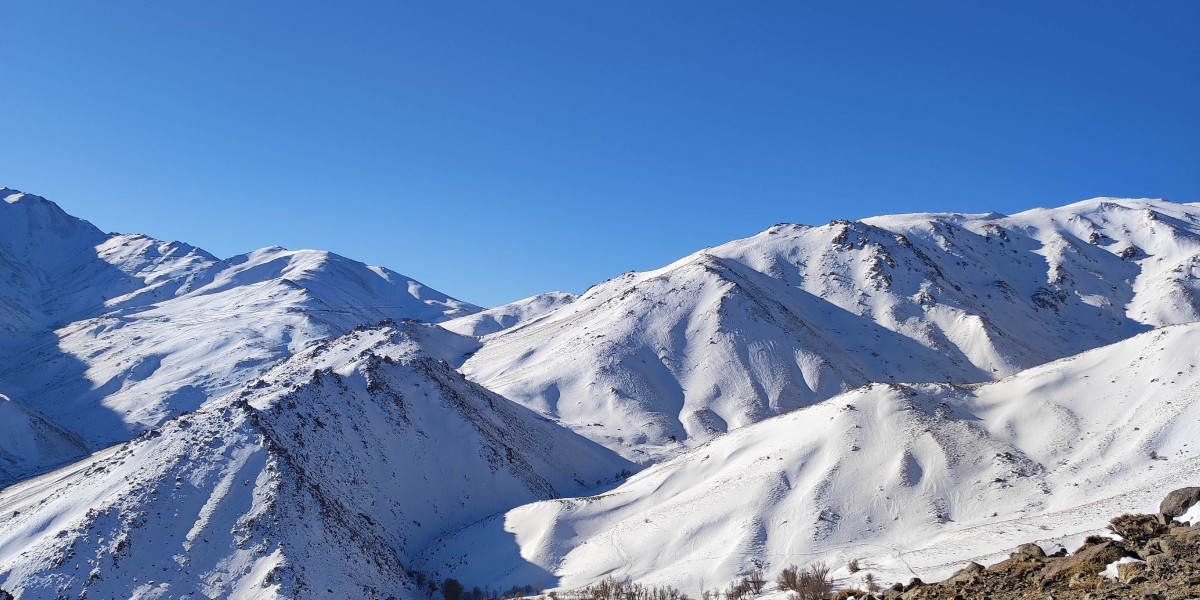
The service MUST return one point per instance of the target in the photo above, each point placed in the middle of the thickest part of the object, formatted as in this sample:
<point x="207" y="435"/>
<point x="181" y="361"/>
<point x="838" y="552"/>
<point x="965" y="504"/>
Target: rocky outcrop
<point x="1144" y="560"/>
<point x="1179" y="501"/>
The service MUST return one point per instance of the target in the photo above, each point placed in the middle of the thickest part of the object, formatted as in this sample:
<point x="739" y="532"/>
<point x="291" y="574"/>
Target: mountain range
<point x="912" y="391"/>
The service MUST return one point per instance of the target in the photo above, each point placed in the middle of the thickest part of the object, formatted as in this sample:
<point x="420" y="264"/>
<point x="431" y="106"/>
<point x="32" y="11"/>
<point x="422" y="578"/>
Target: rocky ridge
<point x="1148" y="557"/>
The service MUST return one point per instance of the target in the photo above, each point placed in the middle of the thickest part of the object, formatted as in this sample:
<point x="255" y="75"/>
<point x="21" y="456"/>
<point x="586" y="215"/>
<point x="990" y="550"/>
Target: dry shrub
<point x="1136" y="530"/>
<point x="810" y="583"/>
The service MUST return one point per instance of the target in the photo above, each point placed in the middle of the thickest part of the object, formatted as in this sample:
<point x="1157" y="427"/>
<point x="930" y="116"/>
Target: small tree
<point x="452" y="589"/>
<point x="815" y="582"/>
<point x="789" y="579"/>
<point x="756" y="581"/>
<point x="869" y="581"/>
<point x="853" y="566"/>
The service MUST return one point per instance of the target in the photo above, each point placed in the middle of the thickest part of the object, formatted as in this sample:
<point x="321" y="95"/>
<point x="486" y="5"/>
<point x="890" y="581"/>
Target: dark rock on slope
<point x="1157" y="562"/>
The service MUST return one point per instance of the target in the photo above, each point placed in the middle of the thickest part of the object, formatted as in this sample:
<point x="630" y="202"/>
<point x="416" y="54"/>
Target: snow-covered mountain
<point x="106" y="336"/>
<point x="913" y="480"/>
<point x="319" y="479"/>
<point x="647" y="362"/>
<point x="914" y="391"/>
<point x="508" y="315"/>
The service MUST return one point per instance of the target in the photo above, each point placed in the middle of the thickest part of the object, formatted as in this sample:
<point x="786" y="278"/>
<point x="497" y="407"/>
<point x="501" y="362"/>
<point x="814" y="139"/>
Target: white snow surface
<point x="319" y="479"/>
<point x="126" y="331"/>
<point x="508" y="315"/>
<point x="915" y="391"/>
<point x="655" y="362"/>
<point x="913" y="480"/>
<point x="1110" y="570"/>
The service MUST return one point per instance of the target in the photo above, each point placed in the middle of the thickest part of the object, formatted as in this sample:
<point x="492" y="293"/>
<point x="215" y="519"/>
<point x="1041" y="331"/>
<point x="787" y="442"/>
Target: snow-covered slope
<point x="809" y="392"/>
<point x="508" y="315"/>
<point x="911" y="479"/>
<point x="24" y="433"/>
<point x="318" y="480"/>
<point x="107" y="336"/>
<point x="728" y="336"/>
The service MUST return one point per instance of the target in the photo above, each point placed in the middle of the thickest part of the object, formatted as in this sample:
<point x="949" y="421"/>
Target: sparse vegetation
<point x="810" y="583"/>
<point x="452" y="590"/>
<point x="756" y="581"/>
<point x="1135" y="530"/>
<point x="871" y="583"/>
<point x="853" y="566"/>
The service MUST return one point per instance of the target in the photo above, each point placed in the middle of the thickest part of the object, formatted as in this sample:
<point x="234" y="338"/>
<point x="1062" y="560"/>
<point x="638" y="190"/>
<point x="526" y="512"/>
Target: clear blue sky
<point x="495" y="150"/>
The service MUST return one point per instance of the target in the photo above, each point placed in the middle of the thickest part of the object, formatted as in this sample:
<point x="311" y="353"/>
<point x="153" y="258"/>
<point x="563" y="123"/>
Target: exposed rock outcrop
<point x="1145" y="560"/>
<point x="1179" y="501"/>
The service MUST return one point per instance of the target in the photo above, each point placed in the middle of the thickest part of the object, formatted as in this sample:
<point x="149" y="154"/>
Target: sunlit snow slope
<point x="106" y="336"/>
<point x="912" y="479"/>
<point x="318" y="480"/>
<point x="914" y="391"/>
<point x="650" y="363"/>
<point x="508" y="315"/>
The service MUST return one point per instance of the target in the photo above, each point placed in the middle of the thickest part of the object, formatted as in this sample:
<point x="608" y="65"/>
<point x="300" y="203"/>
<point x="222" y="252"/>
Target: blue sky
<point x="495" y="150"/>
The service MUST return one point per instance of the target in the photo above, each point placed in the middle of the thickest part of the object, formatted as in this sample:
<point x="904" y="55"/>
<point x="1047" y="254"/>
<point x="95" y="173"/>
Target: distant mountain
<point x="913" y="480"/>
<point x="320" y="479"/>
<point x="106" y="336"/>
<point x="652" y="363"/>
<point x="508" y="315"/>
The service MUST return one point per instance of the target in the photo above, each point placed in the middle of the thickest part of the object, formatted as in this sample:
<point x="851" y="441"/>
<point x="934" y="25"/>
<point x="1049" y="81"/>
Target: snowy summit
<point x="905" y="393"/>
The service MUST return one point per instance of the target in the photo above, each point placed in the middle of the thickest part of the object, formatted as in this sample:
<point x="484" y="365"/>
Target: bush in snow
<point x="1135" y="530"/>
<point x="810" y="583"/>
<point x="452" y="590"/>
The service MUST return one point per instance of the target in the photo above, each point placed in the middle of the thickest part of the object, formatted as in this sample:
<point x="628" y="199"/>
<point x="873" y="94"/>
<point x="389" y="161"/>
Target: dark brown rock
<point x="1174" y="547"/>
<point x="1159" y="562"/>
<point x="1179" y="501"/>
<point x="970" y="572"/>
<point x="1127" y="571"/>
<point x="1028" y="551"/>
<point x="1086" y="563"/>
<point x="1171" y="571"/>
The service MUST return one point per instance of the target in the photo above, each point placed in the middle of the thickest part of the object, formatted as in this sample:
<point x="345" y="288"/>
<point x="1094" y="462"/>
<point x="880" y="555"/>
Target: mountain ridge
<point x="911" y="390"/>
<point x="127" y="330"/>
<point x="962" y="299"/>
<point x="303" y="482"/>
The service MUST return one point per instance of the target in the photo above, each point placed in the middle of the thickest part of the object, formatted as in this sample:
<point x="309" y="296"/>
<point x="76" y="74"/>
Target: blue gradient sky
<point x="495" y="150"/>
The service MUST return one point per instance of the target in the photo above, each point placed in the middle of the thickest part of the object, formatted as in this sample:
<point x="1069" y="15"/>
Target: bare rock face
<point x="1129" y="572"/>
<point x="1028" y="551"/>
<point x="1170" y="571"/>
<point x="1179" y="501"/>
<point x="967" y="574"/>
<point x="1086" y="562"/>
